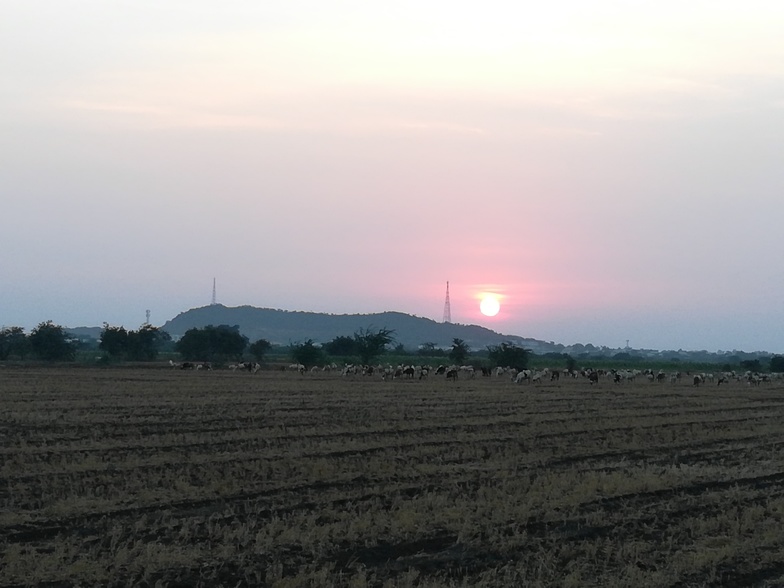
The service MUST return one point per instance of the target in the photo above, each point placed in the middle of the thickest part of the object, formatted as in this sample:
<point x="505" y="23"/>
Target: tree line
<point x="224" y="343"/>
<point x="47" y="341"/>
<point x="51" y="342"/>
<point x="365" y="346"/>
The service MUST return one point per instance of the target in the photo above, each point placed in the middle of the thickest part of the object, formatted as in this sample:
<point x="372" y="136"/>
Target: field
<point x="159" y="477"/>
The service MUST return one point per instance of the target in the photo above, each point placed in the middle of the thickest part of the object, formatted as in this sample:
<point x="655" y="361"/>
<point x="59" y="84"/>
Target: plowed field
<point x="158" y="477"/>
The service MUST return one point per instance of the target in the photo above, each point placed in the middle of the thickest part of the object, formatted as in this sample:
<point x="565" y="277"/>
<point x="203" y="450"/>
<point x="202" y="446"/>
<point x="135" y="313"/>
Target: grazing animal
<point x="451" y="373"/>
<point x="187" y="365"/>
<point x="754" y="379"/>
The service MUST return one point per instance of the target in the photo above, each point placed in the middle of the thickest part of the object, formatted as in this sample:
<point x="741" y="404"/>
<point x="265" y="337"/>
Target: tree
<point x="370" y="344"/>
<point x="341" y="345"/>
<point x="752" y="365"/>
<point x="307" y="353"/>
<point x="50" y="342"/>
<point x="460" y="351"/>
<point x="259" y="349"/>
<point x="429" y="349"/>
<point x="776" y="363"/>
<point x="114" y="341"/>
<point x="509" y="355"/>
<point x="13" y="341"/>
<point x="141" y="345"/>
<point x="212" y="344"/>
<point x="146" y="343"/>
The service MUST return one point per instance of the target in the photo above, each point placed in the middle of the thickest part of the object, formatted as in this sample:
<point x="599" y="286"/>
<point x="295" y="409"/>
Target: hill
<point x="283" y="327"/>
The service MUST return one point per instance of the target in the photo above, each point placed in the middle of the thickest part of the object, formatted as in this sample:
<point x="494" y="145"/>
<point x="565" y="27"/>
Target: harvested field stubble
<point x="156" y="477"/>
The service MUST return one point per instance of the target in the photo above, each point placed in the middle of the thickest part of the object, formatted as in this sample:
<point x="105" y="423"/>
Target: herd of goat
<point x="454" y="372"/>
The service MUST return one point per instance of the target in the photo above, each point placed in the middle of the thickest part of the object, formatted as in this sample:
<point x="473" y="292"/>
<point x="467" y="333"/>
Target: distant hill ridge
<point x="285" y="326"/>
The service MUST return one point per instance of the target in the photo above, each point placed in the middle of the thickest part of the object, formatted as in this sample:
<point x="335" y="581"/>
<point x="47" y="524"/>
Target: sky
<point x="611" y="170"/>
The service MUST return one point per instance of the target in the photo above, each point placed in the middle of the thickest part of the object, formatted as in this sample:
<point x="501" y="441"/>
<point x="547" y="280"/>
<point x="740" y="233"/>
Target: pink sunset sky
<point x="613" y="170"/>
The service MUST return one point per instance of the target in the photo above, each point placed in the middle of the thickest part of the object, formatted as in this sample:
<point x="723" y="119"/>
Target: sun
<point x="489" y="305"/>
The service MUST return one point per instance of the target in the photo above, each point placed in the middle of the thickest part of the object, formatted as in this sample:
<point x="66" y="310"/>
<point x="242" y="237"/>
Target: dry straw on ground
<point x="129" y="477"/>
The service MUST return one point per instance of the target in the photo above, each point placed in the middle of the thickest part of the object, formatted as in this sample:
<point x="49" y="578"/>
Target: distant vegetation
<point x="141" y="345"/>
<point x="220" y="343"/>
<point x="225" y="343"/>
<point x="53" y="343"/>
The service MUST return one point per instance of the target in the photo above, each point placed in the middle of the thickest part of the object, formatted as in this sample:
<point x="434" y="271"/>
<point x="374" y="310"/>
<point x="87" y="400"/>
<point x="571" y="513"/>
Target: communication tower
<point x="214" y="297"/>
<point x="147" y="312"/>
<point x="447" y="307"/>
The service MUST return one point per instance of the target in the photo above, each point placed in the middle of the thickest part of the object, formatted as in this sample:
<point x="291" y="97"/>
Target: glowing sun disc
<point x="489" y="306"/>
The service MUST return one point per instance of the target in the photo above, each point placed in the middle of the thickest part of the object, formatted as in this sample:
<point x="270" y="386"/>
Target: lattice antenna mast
<point x="447" y="307"/>
<point x="214" y="297"/>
